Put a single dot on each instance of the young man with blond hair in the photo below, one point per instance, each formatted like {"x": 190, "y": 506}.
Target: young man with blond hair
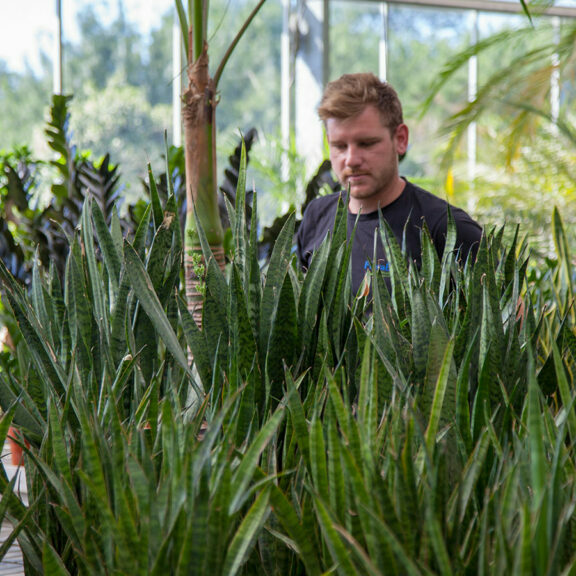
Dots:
{"x": 367, "y": 137}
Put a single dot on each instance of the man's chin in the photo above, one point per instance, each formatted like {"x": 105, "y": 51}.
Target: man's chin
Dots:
{"x": 360, "y": 191}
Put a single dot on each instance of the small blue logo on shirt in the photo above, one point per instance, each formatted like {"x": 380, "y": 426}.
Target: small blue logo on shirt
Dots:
{"x": 381, "y": 265}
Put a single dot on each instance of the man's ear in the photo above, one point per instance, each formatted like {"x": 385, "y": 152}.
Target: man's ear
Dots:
{"x": 401, "y": 137}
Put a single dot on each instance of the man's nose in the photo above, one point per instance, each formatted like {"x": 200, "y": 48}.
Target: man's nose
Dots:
{"x": 353, "y": 156}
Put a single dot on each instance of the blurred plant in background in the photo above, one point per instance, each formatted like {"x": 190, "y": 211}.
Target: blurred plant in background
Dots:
{"x": 526, "y": 143}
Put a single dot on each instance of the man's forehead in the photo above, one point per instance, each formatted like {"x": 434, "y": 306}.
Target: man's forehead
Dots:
{"x": 365, "y": 123}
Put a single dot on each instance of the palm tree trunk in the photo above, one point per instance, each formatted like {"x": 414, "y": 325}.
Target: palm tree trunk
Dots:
{"x": 199, "y": 107}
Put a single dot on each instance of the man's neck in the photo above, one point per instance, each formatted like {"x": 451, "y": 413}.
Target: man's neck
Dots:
{"x": 381, "y": 200}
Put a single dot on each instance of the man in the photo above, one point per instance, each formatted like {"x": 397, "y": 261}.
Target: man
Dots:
{"x": 367, "y": 137}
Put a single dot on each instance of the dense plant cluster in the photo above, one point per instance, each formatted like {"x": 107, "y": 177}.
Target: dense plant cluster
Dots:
{"x": 299, "y": 429}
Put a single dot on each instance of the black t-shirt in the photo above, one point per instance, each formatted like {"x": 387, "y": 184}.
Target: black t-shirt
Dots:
{"x": 405, "y": 216}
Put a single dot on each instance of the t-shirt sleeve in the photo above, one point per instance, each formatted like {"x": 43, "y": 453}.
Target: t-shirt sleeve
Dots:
{"x": 468, "y": 234}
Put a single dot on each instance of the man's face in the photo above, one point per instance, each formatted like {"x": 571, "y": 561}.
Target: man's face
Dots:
{"x": 364, "y": 155}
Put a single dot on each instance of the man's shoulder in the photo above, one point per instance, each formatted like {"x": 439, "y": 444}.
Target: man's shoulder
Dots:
{"x": 434, "y": 208}
{"x": 322, "y": 203}
{"x": 424, "y": 197}
{"x": 319, "y": 214}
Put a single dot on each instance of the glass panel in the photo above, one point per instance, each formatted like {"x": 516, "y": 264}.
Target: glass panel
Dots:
{"x": 25, "y": 70}
{"x": 421, "y": 41}
{"x": 356, "y": 29}
{"x": 117, "y": 64}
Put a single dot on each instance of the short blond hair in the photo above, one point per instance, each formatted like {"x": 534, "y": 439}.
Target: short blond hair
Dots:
{"x": 347, "y": 97}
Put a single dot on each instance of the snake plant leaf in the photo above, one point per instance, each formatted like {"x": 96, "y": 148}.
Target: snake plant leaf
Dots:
{"x": 277, "y": 270}
{"x": 51, "y": 561}
{"x": 310, "y": 295}
{"x": 421, "y": 338}
{"x": 568, "y": 338}
{"x": 164, "y": 258}
{"x": 338, "y": 273}
{"x": 511, "y": 259}
{"x": 564, "y": 282}
{"x": 220, "y": 524}
{"x": 215, "y": 324}
{"x": 398, "y": 267}
{"x": 155, "y": 203}
{"x": 93, "y": 272}
{"x": 56, "y": 309}
{"x": 42, "y": 354}
{"x": 69, "y": 509}
{"x": 368, "y": 394}
{"x": 404, "y": 558}
{"x": 443, "y": 406}
{"x": 252, "y": 406}
{"x": 283, "y": 338}
{"x": 244, "y": 474}
{"x": 434, "y": 532}
{"x": 141, "y": 235}
{"x": 336, "y": 482}
{"x": 111, "y": 252}
{"x": 394, "y": 350}
{"x": 334, "y": 542}
{"x": 58, "y": 445}
{"x": 336, "y": 395}
{"x": 406, "y": 490}
{"x": 482, "y": 404}
{"x": 327, "y": 276}
{"x": 253, "y": 273}
{"x": 376, "y": 548}
{"x": 297, "y": 418}
{"x": 196, "y": 339}
{"x": 318, "y": 459}
{"x": 492, "y": 345}
{"x": 37, "y": 295}
{"x": 338, "y": 303}
{"x": 231, "y": 213}
{"x": 430, "y": 268}
{"x": 471, "y": 474}
{"x": 119, "y": 318}
{"x": 240, "y": 248}
{"x": 194, "y": 550}
{"x": 244, "y": 346}
{"x": 246, "y": 534}
{"x": 7, "y": 511}
{"x": 463, "y": 395}
{"x": 299, "y": 531}
{"x": 146, "y": 294}
{"x": 446, "y": 269}
{"x": 29, "y": 411}
{"x": 523, "y": 554}
{"x": 474, "y": 295}
{"x": 79, "y": 306}
{"x": 552, "y": 370}
{"x": 538, "y": 463}
{"x": 146, "y": 340}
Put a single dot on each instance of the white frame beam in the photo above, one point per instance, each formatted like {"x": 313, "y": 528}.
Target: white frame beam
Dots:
{"x": 489, "y": 6}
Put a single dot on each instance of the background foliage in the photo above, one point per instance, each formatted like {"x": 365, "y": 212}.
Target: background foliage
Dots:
{"x": 136, "y": 85}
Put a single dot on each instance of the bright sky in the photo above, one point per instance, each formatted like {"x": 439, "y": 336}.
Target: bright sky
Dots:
{"x": 29, "y": 25}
